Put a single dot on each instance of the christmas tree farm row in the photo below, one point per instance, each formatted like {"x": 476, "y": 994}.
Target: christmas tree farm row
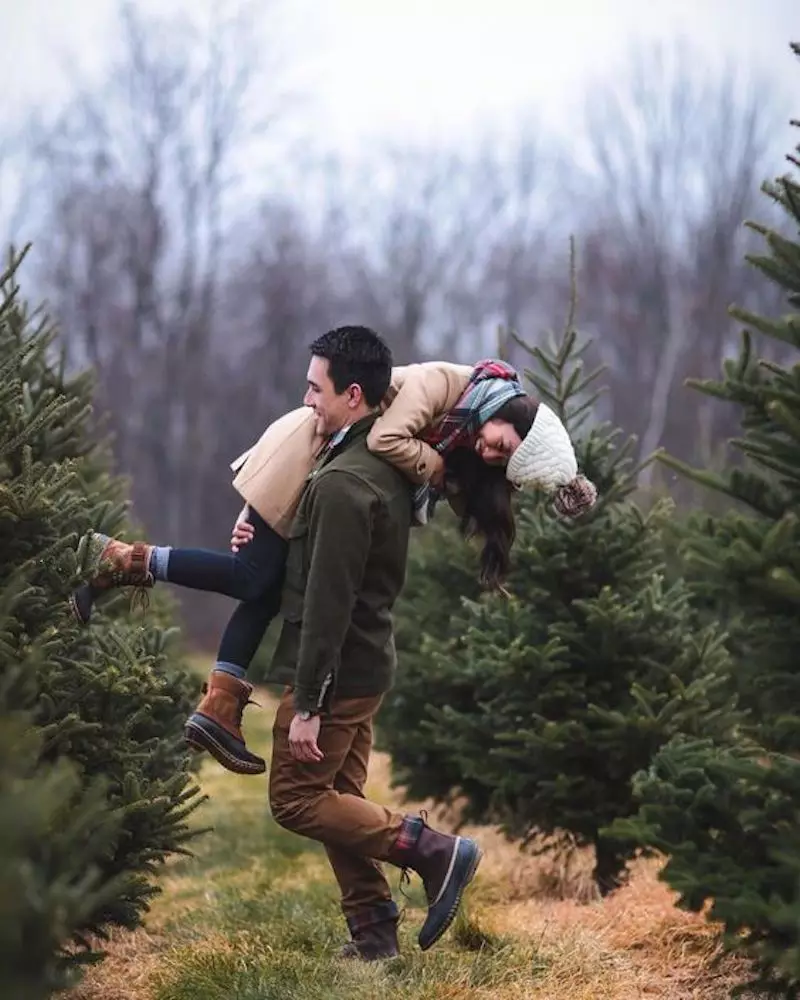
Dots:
{"x": 606, "y": 698}
{"x": 613, "y": 701}
{"x": 95, "y": 788}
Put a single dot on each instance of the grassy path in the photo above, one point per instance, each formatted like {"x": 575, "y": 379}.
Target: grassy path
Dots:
{"x": 254, "y": 916}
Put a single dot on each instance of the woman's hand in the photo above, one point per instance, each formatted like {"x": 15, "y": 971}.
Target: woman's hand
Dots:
{"x": 243, "y": 532}
{"x": 437, "y": 476}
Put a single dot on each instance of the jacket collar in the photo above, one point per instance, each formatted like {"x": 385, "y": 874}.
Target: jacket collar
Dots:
{"x": 348, "y": 436}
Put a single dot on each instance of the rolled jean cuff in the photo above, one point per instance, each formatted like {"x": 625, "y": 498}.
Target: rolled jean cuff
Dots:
{"x": 377, "y": 914}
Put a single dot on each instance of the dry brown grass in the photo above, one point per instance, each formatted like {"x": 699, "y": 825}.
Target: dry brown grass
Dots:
{"x": 126, "y": 972}
{"x": 634, "y": 944}
{"x": 567, "y": 943}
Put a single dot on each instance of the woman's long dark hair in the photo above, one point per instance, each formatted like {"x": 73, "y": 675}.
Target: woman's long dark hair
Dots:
{"x": 484, "y": 502}
{"x": 483, "y": 505}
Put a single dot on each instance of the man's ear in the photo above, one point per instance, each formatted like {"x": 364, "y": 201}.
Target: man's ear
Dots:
{"x": 355, "y": 395}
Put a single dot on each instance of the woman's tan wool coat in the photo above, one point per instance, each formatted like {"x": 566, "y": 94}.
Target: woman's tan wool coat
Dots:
{"x": 270, "y": 475}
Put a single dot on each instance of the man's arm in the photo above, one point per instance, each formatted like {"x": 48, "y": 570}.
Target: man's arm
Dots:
{"x": 339, "y": 537}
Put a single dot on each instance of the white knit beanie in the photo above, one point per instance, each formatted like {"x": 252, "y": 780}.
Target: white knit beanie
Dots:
{"x": 546, "y": 459}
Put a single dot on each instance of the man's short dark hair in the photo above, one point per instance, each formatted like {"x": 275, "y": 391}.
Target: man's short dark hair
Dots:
{"x": 356, "y": 354}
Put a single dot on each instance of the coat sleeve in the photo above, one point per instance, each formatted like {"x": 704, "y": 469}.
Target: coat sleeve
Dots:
{"x": 426, "y": 394}
{"x": 339, "y": 538}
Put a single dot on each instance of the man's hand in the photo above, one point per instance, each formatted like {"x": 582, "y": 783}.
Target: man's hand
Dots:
{"x": 243, "y": 532}
{"x": 303, "y": 740}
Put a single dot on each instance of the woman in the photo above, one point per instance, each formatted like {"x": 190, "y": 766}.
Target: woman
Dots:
{"x": 471, "y": 435}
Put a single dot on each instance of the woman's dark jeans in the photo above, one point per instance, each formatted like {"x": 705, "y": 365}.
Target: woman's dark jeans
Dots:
{"x": 253, "y": 575}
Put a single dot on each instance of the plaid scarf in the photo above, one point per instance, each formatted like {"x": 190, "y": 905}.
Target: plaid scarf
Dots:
{"x": 491, "y": 385}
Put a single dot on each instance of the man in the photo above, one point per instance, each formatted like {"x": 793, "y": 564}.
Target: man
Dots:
{"x": 346, "y": 565}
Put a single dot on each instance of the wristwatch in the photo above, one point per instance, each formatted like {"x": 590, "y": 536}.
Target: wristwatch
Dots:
{"x": 305, "y": 715}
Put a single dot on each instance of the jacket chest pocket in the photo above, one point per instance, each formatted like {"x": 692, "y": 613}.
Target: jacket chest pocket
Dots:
{"x": 296, "y": 570}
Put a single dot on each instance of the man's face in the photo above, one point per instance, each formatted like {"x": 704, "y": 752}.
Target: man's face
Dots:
{"x": 333, "y": 410}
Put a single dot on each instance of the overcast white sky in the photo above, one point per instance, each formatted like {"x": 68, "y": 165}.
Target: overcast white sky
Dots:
{"x": 401, "y": 69}
{"x": 431, "y": 68}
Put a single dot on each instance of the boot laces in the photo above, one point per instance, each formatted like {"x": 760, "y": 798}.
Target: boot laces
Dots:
{"x": 243, "y": 703}
{"x": 140, "y": 598}
{"x": 405, "y": 879}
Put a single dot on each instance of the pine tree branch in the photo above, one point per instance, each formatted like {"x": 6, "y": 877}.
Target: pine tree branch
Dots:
{"x": 711, "y": 480}
{"x": 786, "y": 329}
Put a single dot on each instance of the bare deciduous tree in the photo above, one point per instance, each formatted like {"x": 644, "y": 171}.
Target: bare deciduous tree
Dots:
{"x": 22, "y": 178}
{"x": 425, "y": 215}
{"x": 142, "y": 185}
{"x": 143, "y": 171}
{"x": 676, "y": 155}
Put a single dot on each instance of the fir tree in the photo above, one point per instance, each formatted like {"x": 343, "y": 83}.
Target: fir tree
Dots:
{"x": 747, "y": 564}
{"x": 99, "y": 792}
{"x": 726, "y": 817}
{"x": 442, "y": 572}
{"x": 728, "y": 814}
{"x": 568, "y": 687}
{"x": 53, "y": 830}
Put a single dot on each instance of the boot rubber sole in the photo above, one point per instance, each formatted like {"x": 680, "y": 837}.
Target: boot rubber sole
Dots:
{"x": 466, "y": 878}
{"x": 201, "y": 738}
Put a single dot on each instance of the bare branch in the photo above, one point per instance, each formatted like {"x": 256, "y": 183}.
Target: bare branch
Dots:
{"x": 140, "y": 175}
{"x": 676, "y": 155}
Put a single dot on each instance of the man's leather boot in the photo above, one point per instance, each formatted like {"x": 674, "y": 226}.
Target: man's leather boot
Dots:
{"x": 373, "y": 934}
{"x": 216, "y": 724}
{"x": 120, "y": 564}
{"x": 445, "y": 863}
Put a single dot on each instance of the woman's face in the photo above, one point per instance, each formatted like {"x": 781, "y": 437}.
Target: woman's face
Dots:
{"x": 497, "y": 441}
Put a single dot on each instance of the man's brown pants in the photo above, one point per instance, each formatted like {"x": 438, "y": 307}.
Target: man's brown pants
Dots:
{"x": 325, "y": 800}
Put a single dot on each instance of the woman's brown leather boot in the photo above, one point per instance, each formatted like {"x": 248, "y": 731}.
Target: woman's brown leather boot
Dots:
{"x": 215, "y": 725}
{"x": 121, "y": 564}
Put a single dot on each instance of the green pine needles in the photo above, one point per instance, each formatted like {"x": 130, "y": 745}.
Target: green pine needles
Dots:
{"x": 540, "y": 707}
{"x": 95, "y": 789}
{"x": 728, "y": 812}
